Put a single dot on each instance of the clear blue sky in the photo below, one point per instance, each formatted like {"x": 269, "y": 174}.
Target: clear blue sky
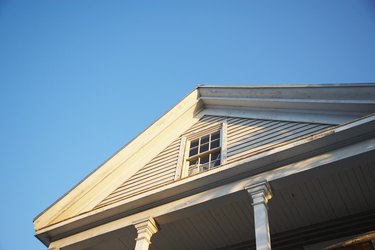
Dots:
{"x": 79, "y": 79}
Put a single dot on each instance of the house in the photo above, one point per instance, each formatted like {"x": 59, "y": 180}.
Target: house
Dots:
{"x": 233, "y": 167}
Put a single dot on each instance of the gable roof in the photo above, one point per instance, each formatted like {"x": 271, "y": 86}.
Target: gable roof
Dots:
{"x": 332, "y": 104}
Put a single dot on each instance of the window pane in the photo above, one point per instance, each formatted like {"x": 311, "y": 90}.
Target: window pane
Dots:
{"x": 215, "y": 144}
{"x": 194, "y": 143}
{"x": 200, "y": 156}
{"x": 204, "y": 139}
{"x": 193, "y": 151}
{"x": 217, "y": 162}
{"x": 215, "y": 158}
{"x": 203, "y": 148}
{"x": 194, "y": 170}
{"x": 215, "y": 136}
{"x": 192, "y": 163}
{"x": 204, "y": 167}
{"x": 204, "y": 159}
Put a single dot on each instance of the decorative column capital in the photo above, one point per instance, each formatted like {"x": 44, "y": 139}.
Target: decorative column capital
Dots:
{"x": 145, "y": 229}
{"x": 259, "y": 192}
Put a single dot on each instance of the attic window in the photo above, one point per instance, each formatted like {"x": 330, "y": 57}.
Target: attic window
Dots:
{"x": 204, "y": 153}
{"x": 202, "y": 150}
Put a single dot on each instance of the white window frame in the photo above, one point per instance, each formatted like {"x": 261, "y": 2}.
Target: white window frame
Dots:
{"x": 183, "y": 164}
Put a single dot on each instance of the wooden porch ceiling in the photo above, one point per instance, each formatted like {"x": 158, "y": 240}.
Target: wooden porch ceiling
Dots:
{"x": 326, "y": 203}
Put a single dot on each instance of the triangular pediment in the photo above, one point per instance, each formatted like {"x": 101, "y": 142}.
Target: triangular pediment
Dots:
{"x": 256, "y": 119}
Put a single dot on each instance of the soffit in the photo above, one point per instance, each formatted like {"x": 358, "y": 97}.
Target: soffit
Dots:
{"x": 321, "y": 204}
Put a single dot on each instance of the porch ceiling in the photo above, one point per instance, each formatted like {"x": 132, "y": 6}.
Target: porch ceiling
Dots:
{"x": 331, "y": 201}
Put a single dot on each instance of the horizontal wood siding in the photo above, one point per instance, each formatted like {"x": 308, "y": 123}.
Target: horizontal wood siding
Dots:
{"x": 158, "y": 172}
{"x": 161, "y": 170}
{"x": 201, "y": 127}
{"x": 247, "y": 137}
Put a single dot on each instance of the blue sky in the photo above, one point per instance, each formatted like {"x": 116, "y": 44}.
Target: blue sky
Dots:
{"x": 79, "y": 79}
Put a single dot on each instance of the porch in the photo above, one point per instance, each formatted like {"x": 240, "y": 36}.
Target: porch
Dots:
{"x": 310, "y": 209}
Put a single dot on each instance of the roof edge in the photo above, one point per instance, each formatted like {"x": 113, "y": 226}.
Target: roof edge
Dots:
{"x": 288, "y": 85}
{"x": 117, "y": 152}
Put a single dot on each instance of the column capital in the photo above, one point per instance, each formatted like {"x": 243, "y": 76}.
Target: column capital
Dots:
{"x": 145, "y": 229}
{"x": 260, "y": 192}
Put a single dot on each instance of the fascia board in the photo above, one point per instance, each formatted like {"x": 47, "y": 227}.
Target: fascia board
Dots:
{"x": 345, "y": 100}
{"x": 329, "y": 139}
{"x": 350, "y": 107}
{"x": 287, "y": 85}
{"x": 306, "y": 91}
{"x": 72, "y": 203}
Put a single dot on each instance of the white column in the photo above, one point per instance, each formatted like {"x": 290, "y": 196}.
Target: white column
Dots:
{"x": 260, "y": 194}
{"x": 145, "y": 229}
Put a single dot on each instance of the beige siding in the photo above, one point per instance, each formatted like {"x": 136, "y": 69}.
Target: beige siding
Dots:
{"x": 205, "y": 123}
{"x": 158, "y": 172}
{"x": 245, "y": 137}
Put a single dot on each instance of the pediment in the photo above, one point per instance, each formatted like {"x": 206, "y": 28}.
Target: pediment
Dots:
{"x": 257, "y": 119}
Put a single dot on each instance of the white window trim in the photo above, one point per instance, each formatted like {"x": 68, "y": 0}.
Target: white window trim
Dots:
{"x": 182, "y": 166}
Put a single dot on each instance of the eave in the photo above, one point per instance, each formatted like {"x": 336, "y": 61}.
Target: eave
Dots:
{"x": 335, "y": 104}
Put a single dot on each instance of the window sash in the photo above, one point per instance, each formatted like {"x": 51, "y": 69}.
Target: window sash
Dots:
{"x": 194, "y": 157}
{"x": 204, "y": 144}
{"x": 204, "y": 161}
{"x": 197, "y": 167}
{"x": 191, "y": 141}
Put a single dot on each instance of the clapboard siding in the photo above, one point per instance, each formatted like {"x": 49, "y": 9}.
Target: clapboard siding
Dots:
{"x": 205, "y": 123}
{"x": 158, "y": 172}
{"x": 247, "y": 137}
{"x": 161, "y": 170}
